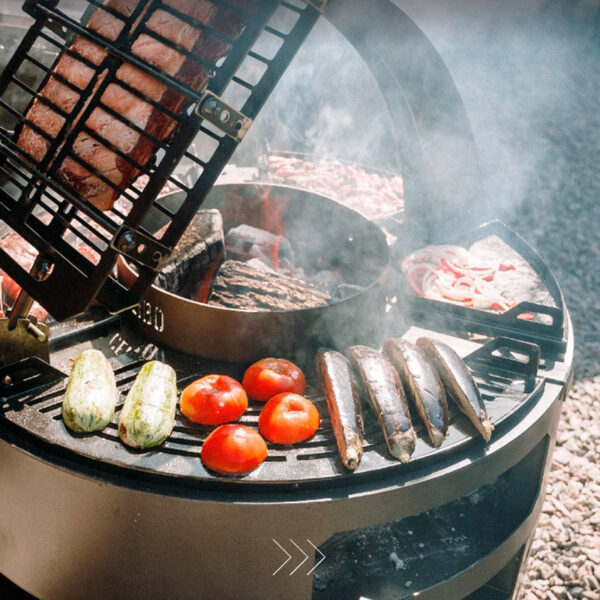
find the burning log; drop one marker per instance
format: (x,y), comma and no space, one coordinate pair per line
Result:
(195,259)
(245,242)
(242,286)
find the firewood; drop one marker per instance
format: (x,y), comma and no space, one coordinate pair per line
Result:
(242,286)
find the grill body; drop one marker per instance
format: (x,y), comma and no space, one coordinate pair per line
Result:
(74,527)
(68,529)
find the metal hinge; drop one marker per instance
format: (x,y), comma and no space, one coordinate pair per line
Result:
(229,120)
(141,248)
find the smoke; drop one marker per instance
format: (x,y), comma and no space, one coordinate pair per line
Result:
(512,64)
(326,104)
(515,65)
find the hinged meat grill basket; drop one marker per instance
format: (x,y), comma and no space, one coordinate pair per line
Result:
(85,514)
(237,53)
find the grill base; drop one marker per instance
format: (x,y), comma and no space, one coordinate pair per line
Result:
(64,530)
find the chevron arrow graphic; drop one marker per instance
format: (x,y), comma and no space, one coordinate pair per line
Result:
(322,559)
(304,553)
(285,562)
(304,559)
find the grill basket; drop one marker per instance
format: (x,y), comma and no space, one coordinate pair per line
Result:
(74,241)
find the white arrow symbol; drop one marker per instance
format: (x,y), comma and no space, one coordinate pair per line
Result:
(319,553)
(305,556)
(289,556)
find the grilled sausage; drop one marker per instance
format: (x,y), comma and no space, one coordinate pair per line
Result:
(343,404)
(422,386)
(148,415)
(384,388)
(459,383)
(91,393)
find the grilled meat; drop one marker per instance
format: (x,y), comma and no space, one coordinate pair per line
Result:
(343,404)
(422,386)
(92,149)
(459,383)
(23,253)
(384,388)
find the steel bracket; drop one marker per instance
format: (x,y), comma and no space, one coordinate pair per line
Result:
(26,375)
(141,248)
(229,120)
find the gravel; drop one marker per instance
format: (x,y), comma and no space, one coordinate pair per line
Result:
(561,219)
(564,561)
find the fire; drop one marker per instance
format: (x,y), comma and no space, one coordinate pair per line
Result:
(273,221)
(205,284)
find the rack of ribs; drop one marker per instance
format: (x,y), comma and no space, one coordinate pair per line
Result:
(123,131)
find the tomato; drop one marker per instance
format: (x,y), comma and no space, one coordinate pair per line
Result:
(270,376)
(288,419)
(214,399)
(233,449)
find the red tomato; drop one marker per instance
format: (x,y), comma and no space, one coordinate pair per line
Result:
(233,449)
(214,399)
(270,376)
(288,419)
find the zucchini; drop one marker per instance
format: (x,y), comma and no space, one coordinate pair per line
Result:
(91,393)
(148,415)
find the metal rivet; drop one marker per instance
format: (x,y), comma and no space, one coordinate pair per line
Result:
(127,242)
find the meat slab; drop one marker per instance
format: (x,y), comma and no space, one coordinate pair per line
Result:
(86,61)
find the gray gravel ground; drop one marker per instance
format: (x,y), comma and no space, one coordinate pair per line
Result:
(564,559)
(562,220)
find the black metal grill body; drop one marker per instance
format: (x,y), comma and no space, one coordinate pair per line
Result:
(69,524)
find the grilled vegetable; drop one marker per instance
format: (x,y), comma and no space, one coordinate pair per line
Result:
(343,403)
(386,395)
(271,376)
(233,449)
(422,386)
(91,394)
(459,383)
(148,415)
(288,418)
(213,400)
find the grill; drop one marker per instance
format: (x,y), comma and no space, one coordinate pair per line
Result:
(86,513)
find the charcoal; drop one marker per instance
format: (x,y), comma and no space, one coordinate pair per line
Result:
(197,255)
(239,285)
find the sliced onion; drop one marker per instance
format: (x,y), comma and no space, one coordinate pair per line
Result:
(450,273)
